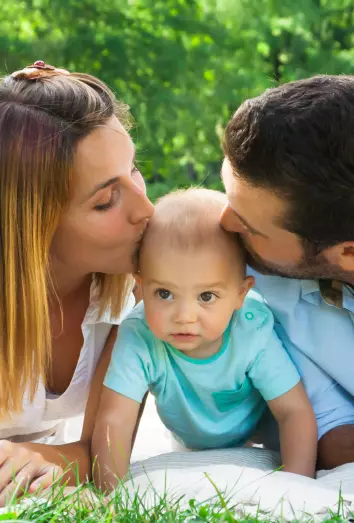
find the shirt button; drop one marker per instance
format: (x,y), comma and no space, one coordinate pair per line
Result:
(249,316)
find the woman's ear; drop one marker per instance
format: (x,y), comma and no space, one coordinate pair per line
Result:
(246,286)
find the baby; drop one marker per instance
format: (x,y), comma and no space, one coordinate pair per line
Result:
(206,351)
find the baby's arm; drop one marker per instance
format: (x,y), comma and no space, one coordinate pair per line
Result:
(298,431)
(125,386)
(113,438)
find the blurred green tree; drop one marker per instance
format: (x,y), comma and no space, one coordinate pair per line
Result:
(182,65)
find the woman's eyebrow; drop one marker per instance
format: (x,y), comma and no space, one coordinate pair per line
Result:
(109,182)
(103,185)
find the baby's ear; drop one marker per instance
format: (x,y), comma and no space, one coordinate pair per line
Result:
(246,286)
(137,278)
(137,289)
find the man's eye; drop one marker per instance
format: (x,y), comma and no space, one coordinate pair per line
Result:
(207,297)
(164,294)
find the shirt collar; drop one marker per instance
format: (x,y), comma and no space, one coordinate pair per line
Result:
(348,297)
(309,287)
(333,292)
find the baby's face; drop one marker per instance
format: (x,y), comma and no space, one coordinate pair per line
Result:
(190,297)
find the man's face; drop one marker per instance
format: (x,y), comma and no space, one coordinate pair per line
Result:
(257,215)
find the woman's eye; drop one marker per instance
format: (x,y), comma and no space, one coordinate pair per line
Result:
(207,297)
(104,206)
(108,205)
(164,294)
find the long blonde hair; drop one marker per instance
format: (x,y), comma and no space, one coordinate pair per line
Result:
(41,123)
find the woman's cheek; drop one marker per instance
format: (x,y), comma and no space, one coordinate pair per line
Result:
(111,226)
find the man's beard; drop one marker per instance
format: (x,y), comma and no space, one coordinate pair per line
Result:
(313,265)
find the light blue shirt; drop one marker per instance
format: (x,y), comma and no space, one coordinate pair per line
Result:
(205,403)
(319,337)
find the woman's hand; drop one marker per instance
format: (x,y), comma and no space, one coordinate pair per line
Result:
(22,469)
(36,465)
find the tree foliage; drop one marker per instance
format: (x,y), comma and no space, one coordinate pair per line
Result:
(182,65)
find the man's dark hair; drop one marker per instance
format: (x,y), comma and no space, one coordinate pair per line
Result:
(298,141)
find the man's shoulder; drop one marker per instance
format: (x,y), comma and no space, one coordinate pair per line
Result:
(284,292)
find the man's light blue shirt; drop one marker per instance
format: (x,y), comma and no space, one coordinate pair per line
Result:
(319,337)
(206,403)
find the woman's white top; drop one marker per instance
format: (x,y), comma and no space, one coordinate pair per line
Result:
(42,420)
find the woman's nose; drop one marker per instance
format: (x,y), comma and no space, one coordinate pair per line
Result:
(142,208)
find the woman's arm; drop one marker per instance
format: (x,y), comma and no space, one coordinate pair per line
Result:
(78,452)
(38,464)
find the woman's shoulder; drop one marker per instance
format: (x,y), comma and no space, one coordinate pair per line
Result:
(93,315)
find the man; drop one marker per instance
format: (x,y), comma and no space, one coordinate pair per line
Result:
(289,176)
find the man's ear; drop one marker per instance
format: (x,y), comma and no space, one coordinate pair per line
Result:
(341,255)
(247,285)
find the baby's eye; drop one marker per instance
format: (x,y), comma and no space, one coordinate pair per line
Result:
(164,294)
(207,297)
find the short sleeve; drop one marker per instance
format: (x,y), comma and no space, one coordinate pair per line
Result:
(129,370)
(272,372)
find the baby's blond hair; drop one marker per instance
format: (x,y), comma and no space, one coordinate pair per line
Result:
(188,219)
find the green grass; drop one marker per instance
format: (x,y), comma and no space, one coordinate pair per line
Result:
(86,505)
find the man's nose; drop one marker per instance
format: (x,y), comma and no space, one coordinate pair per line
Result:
(229,221)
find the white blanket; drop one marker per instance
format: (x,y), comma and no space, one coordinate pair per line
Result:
(246,489)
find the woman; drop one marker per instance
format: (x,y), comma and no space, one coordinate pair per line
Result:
(73,207)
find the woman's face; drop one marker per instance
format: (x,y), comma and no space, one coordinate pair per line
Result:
(109,209)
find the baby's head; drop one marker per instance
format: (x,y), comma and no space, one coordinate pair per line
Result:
(191,271)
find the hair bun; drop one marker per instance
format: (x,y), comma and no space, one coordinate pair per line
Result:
(38,69)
